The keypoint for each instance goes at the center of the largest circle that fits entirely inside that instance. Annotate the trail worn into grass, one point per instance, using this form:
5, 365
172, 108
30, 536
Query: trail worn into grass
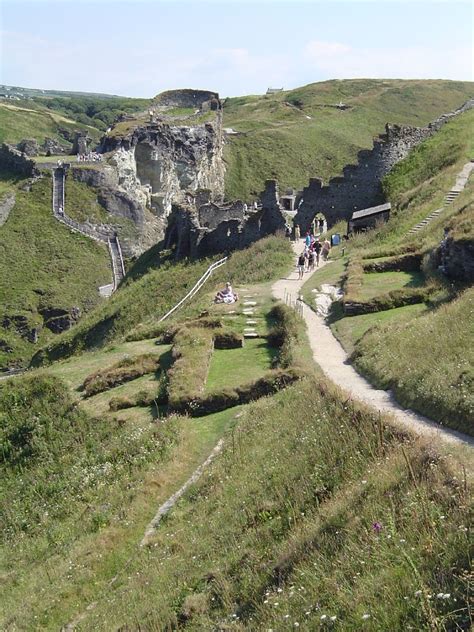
334, 361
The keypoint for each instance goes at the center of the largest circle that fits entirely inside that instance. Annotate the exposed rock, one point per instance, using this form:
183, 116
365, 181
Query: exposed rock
21, 325
51, 147
5, 347
58, 320
187, 98
458, 258
6, 205
195, 230
28, 146
13, 160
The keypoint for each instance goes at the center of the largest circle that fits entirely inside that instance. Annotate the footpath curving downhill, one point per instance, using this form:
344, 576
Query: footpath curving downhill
333, 360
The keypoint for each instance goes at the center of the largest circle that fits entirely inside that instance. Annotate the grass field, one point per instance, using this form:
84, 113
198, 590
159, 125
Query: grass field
376, 283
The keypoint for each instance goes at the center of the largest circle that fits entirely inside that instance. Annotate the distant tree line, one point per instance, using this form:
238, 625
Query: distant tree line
95, 111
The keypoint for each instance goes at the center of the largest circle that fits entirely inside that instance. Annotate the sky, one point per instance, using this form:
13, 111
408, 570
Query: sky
140, 48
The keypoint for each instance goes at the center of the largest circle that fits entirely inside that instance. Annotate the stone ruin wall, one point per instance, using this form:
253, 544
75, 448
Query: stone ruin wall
156, 164
199, 227
360, 185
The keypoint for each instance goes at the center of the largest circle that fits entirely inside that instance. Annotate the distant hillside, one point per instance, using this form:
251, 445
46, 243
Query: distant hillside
26, 119
317, 129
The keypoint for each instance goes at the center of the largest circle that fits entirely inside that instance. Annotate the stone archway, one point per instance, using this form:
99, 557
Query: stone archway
319, 224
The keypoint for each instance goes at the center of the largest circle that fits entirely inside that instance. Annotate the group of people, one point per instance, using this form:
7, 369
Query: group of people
227, 295
92, 156
313, 250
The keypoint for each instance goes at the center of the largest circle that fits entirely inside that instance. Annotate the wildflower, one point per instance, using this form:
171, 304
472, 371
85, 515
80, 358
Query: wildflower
333, 618
440, 595
446, 595
417, 593
366, 616
324, 617
377, 527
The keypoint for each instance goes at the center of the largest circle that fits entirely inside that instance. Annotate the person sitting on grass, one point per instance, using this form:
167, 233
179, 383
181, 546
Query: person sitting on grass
227, 295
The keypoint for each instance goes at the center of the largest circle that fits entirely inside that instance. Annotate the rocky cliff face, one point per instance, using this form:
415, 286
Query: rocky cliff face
153, 165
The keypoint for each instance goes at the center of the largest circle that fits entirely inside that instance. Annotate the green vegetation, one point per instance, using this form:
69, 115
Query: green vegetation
95, 111
357, 524
25, 119
123, 371
427, 362
315, 138
235, 367
192, 352
39, 263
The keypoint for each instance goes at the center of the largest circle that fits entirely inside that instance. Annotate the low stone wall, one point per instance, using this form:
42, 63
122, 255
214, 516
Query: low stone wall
404, 263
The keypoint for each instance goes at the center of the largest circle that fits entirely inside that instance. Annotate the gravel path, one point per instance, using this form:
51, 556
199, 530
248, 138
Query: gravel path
333, 360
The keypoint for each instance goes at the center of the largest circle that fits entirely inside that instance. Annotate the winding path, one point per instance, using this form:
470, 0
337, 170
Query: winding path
333, 360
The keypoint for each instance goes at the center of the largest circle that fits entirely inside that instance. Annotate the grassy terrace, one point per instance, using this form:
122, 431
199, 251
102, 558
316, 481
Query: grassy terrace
376, 283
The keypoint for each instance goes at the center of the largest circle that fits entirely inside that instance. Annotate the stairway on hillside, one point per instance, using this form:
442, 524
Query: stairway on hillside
105, 234
461, 181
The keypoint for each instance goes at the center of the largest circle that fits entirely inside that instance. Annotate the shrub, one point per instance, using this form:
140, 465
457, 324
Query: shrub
123, 371
284, 333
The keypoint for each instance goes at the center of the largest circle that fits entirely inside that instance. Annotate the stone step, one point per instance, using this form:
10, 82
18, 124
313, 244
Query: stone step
249, 330
251, 322
250, 334
250, 303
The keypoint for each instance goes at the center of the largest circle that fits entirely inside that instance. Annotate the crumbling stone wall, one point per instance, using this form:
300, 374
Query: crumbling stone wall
229, 227
188, 98
360, 185
13, 160
157, 163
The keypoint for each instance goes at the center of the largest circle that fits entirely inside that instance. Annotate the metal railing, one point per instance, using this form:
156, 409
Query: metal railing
297, 303
196, 287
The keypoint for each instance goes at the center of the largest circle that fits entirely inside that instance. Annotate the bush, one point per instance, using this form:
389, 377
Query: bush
123, 371
284, 334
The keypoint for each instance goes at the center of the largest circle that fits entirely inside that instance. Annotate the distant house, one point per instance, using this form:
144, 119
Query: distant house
274, 90
368, 218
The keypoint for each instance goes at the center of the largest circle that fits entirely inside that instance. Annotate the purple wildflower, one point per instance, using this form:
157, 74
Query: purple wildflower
377, 527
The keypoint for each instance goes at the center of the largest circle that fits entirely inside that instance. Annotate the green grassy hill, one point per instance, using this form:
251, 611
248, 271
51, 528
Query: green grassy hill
420, 351
298, 134
26, 119
43, 266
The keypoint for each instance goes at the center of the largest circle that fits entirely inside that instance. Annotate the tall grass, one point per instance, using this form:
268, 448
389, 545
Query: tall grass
314, 510
427, 362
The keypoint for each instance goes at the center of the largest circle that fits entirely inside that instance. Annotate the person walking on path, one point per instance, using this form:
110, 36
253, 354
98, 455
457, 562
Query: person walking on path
301, 265
297, 233
307, 239
325, 250
317, 251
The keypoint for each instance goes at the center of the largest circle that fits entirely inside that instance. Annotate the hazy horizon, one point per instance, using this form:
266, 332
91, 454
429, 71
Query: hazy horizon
141, 48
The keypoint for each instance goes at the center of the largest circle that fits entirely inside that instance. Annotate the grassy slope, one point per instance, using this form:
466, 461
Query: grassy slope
279, 141
398, 350
428, 362
43, 264
25, 119
267, 539
149, 292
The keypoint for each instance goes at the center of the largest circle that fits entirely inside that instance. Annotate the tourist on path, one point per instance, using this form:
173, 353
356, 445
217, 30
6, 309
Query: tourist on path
326, 248
317, 251
301, 265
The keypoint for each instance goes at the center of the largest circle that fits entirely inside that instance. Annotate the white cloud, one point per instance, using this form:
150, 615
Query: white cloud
340, 61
